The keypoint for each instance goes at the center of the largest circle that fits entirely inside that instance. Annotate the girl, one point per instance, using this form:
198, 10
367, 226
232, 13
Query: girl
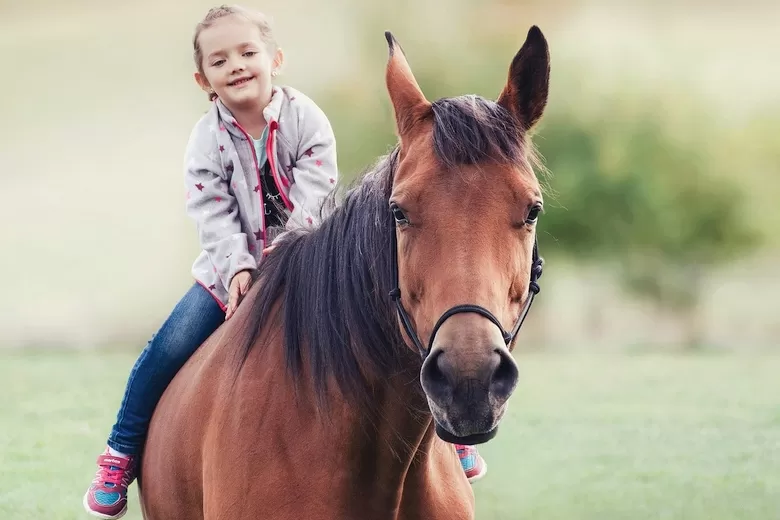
259, 162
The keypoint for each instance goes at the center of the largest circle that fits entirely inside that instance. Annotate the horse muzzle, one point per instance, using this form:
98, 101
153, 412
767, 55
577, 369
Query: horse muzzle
467, 407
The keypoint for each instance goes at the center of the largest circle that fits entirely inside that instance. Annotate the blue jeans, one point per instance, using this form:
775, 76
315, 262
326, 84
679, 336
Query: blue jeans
192, 321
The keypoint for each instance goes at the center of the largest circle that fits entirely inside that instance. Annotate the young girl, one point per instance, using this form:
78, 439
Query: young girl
258, 163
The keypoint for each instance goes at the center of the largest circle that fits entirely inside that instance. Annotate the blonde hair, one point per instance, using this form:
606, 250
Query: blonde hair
215, 13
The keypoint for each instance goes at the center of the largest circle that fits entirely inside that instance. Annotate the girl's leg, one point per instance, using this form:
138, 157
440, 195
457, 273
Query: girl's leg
193, 320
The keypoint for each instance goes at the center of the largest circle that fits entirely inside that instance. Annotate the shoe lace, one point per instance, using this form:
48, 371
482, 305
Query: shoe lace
111, 475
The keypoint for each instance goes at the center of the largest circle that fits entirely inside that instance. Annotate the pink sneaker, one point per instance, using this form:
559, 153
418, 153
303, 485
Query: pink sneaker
107, 496
472, 462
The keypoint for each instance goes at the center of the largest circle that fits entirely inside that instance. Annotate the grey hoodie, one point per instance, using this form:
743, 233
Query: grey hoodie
223, 182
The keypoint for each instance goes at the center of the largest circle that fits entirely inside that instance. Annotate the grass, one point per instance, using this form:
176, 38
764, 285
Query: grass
598, 437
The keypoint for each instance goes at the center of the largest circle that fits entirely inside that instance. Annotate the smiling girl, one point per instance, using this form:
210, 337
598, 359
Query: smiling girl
259, 162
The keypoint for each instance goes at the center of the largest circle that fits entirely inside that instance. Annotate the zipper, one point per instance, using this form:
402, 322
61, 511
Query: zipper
269, 152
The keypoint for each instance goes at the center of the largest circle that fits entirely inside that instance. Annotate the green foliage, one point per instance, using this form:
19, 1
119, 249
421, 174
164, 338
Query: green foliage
626, 186
627, 193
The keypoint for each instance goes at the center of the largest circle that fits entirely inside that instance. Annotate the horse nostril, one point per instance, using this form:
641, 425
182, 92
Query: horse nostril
505, 376
434, 377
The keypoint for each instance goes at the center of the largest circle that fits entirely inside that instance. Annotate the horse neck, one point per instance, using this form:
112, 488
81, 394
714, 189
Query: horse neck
400, 464
388, 462
401, 418
393, 442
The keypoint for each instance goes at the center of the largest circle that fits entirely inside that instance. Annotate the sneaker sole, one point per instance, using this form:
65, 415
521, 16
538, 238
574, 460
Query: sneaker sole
85, 503
479, 475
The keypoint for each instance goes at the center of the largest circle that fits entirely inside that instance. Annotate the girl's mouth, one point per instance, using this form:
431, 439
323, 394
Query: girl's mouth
240, 81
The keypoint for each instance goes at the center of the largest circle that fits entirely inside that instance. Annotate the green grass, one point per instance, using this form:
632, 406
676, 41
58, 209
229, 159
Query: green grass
599, 437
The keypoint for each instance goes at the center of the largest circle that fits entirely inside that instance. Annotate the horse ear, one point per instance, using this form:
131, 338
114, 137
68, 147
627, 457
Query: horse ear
409, 103
525, 93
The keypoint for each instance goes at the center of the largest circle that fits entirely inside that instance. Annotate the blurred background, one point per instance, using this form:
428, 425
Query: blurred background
662, 138
662, 141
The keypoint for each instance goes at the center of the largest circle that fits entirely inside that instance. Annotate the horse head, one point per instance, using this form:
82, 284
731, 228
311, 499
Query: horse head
466, 201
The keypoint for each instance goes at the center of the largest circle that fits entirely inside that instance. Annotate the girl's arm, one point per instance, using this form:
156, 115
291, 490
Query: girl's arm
315, 172
214, 209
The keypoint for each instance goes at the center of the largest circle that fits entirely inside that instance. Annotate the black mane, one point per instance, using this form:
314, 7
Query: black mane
333, 282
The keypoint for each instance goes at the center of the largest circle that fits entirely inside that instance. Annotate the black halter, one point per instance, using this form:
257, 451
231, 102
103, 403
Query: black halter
533, 290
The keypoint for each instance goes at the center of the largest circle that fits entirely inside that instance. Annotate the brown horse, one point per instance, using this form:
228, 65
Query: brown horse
370, 344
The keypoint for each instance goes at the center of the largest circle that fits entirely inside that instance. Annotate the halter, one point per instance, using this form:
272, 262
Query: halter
509, 336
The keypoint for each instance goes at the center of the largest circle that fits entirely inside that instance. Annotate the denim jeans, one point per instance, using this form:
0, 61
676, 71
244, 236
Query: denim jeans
192, 321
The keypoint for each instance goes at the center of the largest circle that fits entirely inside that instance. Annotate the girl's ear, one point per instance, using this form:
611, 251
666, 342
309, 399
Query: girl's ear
278, 60
203, 83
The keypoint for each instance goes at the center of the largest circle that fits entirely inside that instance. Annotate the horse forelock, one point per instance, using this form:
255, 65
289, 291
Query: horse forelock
470, 130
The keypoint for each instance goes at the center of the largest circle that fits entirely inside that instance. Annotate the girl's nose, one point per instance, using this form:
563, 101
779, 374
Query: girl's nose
237, 65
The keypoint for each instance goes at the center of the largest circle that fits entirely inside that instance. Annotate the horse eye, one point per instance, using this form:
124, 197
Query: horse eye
398, 215
533, 215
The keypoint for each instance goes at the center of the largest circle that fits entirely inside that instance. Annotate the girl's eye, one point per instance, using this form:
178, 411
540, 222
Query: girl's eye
217, 63
250, 53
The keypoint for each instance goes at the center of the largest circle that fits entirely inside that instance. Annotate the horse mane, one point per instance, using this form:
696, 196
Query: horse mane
333, 282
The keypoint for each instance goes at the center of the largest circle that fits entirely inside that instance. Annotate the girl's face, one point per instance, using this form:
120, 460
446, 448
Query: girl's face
237, 63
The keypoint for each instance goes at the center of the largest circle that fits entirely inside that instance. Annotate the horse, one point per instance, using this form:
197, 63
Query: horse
373, 342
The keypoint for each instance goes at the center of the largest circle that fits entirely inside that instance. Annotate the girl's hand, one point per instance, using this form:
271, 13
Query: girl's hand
239, 286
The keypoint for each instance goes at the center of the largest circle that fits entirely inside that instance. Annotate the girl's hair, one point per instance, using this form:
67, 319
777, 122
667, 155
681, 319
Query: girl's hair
215, 13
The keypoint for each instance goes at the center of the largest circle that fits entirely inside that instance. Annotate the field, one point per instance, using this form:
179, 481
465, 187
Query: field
607, 436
